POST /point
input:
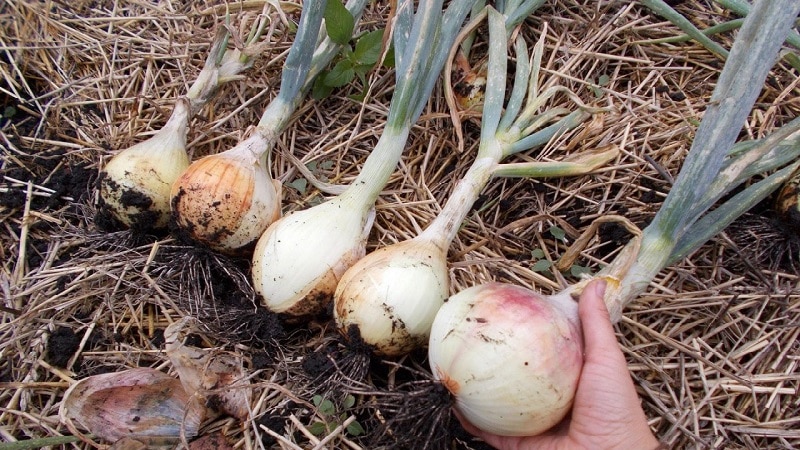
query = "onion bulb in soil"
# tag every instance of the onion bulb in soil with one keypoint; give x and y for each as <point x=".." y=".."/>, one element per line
<point x="413" y="278"/>
<point x="510" y="357"/>
<point x="225" y="201"/>
<point x="135" y="184"/>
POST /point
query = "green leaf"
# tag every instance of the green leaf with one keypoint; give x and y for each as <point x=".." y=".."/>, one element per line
<point x="300" y="184"/>
<point x="341" y="74"/>
<point x="339" y="22"/>
<point x="316" y="200"/>
<point x="537" y="253"/>
<point x="359" y="97"/>
<point x="321" y="90"/>
<point x="558" y="233"/>
<point x="388" y="61"/>
<point x="326" y="165"/>
<point x="317" y="399"/>
<point x="9" y="112"/>
<point x="603" y="80"/>
<point x="349" y="401"/>
<point x="368" y="48"/>
<point x="361" y="72"/>
<point x="355" y="429"/>
<point x="579" y="271"/>
<point x="541" y="265"/>
<point x="317" y="428"/>
<point x="327" y="408"/>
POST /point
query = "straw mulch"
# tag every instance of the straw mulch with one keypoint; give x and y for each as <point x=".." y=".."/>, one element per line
<point x="712" y="345"/>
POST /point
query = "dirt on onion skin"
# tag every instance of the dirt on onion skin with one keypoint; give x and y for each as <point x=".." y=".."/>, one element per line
<point x="185" y="231"/>
<point x="141" y="223"/>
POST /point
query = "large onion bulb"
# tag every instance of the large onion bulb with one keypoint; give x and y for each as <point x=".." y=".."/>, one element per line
<point x="392" y="295"/>
<point x="299" y="259"/>
<point x="135" y="184"/>
<point x="510" y="357"/>
<point x="225" y="201"/>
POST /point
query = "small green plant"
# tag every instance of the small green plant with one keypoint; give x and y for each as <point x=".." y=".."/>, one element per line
<point x="543" y="265"/>
<point x="540" y="263"/>
<point x="353" y="61"/>
<point x="331" y="418"/>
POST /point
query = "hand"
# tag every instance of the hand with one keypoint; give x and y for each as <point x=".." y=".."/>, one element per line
<point x="606" y="413"/>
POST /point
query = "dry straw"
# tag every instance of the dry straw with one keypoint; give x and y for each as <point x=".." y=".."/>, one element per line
<point x="712" y="343"/>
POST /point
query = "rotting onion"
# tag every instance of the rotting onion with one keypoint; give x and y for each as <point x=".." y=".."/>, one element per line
<point x="135" y="184"/>
<point x="226" y="201"/>
<point x="392" y="295"/>
<point x="299" y="259"/>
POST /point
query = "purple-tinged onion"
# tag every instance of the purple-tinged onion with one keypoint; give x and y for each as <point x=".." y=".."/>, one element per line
<point x="510" y="356"/>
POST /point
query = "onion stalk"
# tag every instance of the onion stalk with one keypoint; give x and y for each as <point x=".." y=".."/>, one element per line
<point x="135" y="184"/>
<point x="392" y="295"/>
<point x="465" y="89"/>
<point x="225" y="201"/>
<point x="712" y="169"/>
<point x="300" y="258"/>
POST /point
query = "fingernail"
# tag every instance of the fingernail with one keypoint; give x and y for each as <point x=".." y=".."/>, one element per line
<point x="600" y="287"/>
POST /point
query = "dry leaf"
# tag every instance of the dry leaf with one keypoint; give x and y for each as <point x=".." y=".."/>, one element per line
<point x="215" y="376"/>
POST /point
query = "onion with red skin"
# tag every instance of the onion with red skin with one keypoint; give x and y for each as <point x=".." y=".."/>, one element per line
<point x="510" y="356"/>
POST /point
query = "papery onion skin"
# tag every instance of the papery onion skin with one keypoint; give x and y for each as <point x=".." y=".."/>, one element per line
<point x="135" y="184"/>
<point x="141" y="403"/>
<point x="299" y="259"/>
<point x="511" y="357"/>
<point x="392" y="296"/>
<point x="225" y="201"/>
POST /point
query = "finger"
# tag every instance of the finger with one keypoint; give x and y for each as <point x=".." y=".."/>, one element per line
<point x="598" y="333"/>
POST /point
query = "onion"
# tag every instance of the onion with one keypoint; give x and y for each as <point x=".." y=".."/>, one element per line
<point x="135" y="184"/>
<point x="413" y="282"/>
<point x="787" y="203"/>
<point x="299" y="259"/>
<point x="225" y="201"/>
<point x="228" y="200"/>
<point x="510" y="357"/>
<point x="392" y="296"/>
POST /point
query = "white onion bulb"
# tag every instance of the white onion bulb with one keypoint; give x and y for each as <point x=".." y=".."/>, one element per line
<point x="135" y="183"/>
<point x="225" y="201"/>
<point x="299" y="259"/>
<point x="392" y="295"/>
<point x="510" y="357"/>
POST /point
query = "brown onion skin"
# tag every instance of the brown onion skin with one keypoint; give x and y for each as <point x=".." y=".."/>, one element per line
<point x="215" y="202"/>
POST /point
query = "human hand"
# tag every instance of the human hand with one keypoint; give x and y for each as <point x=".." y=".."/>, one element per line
<point x="606" y="412"/>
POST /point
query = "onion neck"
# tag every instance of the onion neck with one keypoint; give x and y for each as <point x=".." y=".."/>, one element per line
<point x="378" y="167"/>
<point x="179" y="119"/>
<point x="632" y="270"/>
<point x="445" y="226"/>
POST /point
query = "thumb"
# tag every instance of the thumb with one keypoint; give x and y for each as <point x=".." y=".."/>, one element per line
<point x="598" y="333"/>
